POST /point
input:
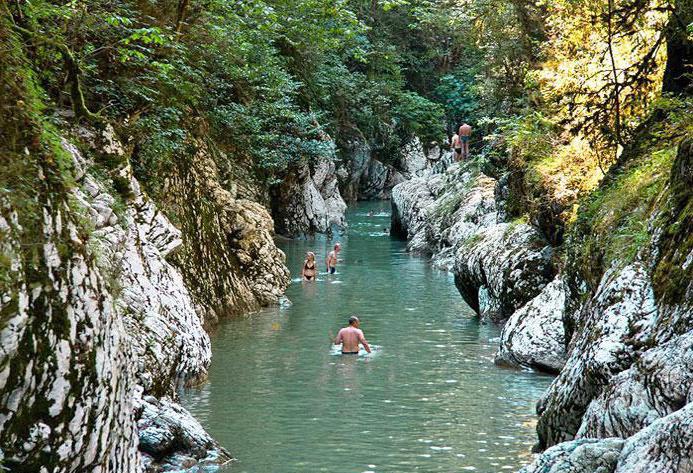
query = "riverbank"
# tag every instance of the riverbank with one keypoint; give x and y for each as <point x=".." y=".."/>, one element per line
<point x="608" y="327"/>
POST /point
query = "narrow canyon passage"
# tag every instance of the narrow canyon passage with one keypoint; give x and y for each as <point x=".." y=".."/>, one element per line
<point x="429" y="399"/>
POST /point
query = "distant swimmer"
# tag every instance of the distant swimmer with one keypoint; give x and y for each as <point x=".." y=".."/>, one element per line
<point x="332" y="258"/>
<point x="350" y="337"/>
<point x="308" y="271"/>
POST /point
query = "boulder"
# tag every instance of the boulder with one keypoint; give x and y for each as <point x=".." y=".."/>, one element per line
<point x="664" y="446"/>
<point x="172" y="440"/>
<point x="534" y="336"/>
<point x="578" y="456"/>
<point x="659" y="383"/>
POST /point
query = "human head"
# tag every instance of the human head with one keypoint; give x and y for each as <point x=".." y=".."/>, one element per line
<point x="310" y="255"/>
<point x="354" y="321"/>
<point x="337" y="247"/>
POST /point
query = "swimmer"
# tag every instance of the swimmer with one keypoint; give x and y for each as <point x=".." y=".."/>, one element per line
<point x="332" y="258"/>
<point x="308" y="271"/>
<point x="350" y="336"/>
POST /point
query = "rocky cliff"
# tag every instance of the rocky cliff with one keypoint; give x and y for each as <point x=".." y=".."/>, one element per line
<point x="364" y="177"/>
<point x="103" y="299"/>
<point x="600" y="314"/>
<point x="125" y="325"/>
<point x="308" y="201"/>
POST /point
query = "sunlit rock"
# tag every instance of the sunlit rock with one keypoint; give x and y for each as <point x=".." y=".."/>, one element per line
<point x="616" y="324"/>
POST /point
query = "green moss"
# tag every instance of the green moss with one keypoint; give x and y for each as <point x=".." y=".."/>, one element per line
<point x="615" y="223"/>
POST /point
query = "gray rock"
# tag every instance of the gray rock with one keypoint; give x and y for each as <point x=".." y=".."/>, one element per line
<point x="578" y="456"/>
<point x="308" y="201"/>
<point x="666" y="446"/>
<point x="228" y="258"/>
<point x="173" y="440"/>
<point x="657" y="384"/>
<point x="616" y="323"/>
<point x="63" y="344"/>
<point x="534" y="336"/>
<point x="498" y="267"/>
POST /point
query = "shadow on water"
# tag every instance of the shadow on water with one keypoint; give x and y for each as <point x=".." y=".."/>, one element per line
<point x="430" y="399"/>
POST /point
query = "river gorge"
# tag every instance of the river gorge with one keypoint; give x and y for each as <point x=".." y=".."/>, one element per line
<point x="428" y="399"/>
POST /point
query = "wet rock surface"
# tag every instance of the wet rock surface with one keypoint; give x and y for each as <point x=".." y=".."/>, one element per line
<point x="170" y="439"/>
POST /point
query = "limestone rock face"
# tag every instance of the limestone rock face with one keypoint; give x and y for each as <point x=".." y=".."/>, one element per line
<point x="367" y="178"/>
<point x="308" y="201"/>
<point x="664" y="446"/>
<point x="534" y="335"/>
<point x="616" y="323"/>
<point x="413" y="158"/>
<point x="498" y="267"/>
<point x="172" y="440"/>
<point x="67" y="372"/>
<point x="100" y="319"/>
<point x="228" y="258"/>
<point x="658" y="384"/>
<point x="171" y="346"/>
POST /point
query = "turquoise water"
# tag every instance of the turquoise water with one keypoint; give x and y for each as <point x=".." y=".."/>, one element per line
<point x="429" y="399"/>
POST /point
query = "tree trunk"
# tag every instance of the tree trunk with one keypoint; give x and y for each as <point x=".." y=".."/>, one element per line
<point x="678" y="71"/>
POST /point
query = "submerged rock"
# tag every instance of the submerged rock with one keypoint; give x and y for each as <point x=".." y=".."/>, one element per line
<point x="172" y="440"/>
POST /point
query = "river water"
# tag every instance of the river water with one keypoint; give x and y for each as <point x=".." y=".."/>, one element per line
<point x="428" y="400"/>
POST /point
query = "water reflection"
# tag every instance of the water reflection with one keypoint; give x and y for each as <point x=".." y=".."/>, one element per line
<point x="429" y="400"/>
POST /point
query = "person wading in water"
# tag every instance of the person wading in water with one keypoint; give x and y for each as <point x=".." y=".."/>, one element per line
<point x="332" y="258"/>
<point x="465" y="133"/>
<point x="350" y="337"/>
<point x="308" y="271"/>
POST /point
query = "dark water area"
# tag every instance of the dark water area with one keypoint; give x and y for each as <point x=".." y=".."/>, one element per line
<point x="428" y="400"/>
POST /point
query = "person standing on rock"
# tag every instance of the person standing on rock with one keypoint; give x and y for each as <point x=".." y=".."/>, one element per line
<point x="308" y="271"/>
<point x="332" y="258"/>
<point x="350" y="337"/>
<point x="465" y="134"/>
<point x="456" y="144"/>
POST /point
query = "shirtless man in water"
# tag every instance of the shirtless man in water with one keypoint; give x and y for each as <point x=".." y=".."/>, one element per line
<point x="332" y="258"/>
<point x="350" y="337"/>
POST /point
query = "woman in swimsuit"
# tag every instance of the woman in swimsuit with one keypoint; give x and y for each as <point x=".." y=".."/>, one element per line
<point x="456" y="144"/>
<point x="308" y="271"/>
